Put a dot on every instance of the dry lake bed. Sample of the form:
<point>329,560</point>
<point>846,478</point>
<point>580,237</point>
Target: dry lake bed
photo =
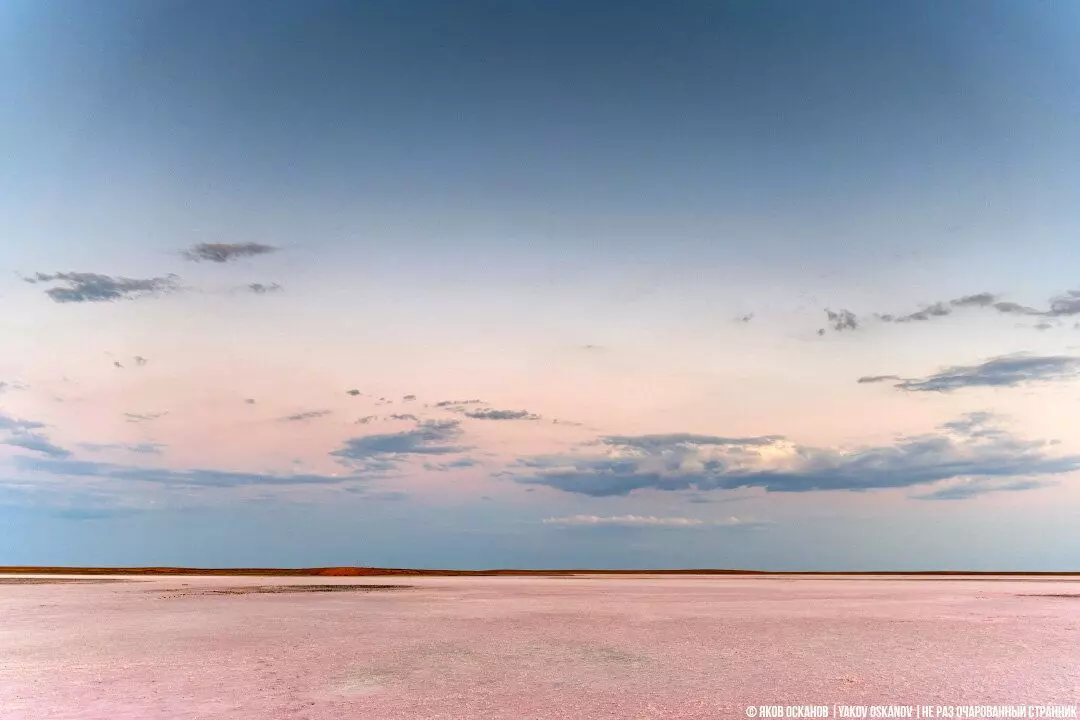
<point>535,647</point>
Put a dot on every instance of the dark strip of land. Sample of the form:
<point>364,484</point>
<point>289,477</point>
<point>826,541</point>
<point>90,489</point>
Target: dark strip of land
<point>372,571</point>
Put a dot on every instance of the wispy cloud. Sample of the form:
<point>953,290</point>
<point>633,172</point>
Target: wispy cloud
<point>500,415</point>
<point>225,252</point>
<point>456,403</point>
<point>431,437</point>
<point>625,520</point>
<point>878,378</point>
<point>35,442</point>
<point>144,417</point>
<point>982,486</point>
<point>1063,305</point>
<point>1005,371</point>
<point>404,416</point>
<point>138,448</point>
<point>164,476</point>
<point>624,464</point>
<point>452,465</point>
<point>306,415</point>
<point>93,287</point>
<point>262,288</point>
<point>647,521</point>
<point>842,320</point>
<point>367,419</point>
<point>19,433</point>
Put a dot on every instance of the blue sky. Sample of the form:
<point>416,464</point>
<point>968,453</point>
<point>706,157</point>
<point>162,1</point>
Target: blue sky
<point>744,284</point>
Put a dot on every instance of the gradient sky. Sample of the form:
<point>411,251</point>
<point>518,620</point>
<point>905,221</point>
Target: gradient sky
<point>755,284</point>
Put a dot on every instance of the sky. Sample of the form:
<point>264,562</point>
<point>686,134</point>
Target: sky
<point>746,284</point>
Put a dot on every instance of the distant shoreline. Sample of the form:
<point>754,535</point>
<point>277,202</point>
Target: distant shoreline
<point>389,572</point>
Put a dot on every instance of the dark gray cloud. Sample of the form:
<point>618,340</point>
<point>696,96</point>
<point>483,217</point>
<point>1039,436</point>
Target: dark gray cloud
<point>455,403</point>
<point>366,419</point>
<point>354,392</point>
<point>1005,371</point>
<point>842,320</point>
<point>452,465</point>
<point>164,476</point>
<point>969,448</point>
<point>306,415</point>
<point>404,416</point>
<point>144,417</point>
<point>263,289</point>
<point>431,437</point>
<point>408,398</point>
<point>225,252</point>
<point>500,415</point>
<point>93,287</point>
<point>877,378</point>
<point>249,401</point>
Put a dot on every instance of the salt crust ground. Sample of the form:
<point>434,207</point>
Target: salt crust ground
<point>569,648</point>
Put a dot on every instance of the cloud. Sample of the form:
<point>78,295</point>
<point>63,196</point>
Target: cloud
<point>1067,304</point>
<point>970,448</point>
<point>92,287</point>
<point>981,486</point>
<point>140,361</point>
<point>404,416</point>
<point>455,403</point>
<point>249,401</point>
<point>37,443</point>
<point>428,438</point>
<point>164,476</point>
<point>501,415</point>
<point>366,419</point>
<point>877,378</point>
<point>452,465</point>
<point>306,415</point>
<point>21,434</point>
<point>144,417</point>
<point>139,448</point>
<point>647,521</point>
<point>1004,371</point>
<point>745,318</point>
<point>354,392</point>
<point>8,386</point>
<point>408,398</point>
<point>225,252</point>
<point>842,320</point>
<point>263,289</point>
<point>17,425</point>
<point>624,520</point>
